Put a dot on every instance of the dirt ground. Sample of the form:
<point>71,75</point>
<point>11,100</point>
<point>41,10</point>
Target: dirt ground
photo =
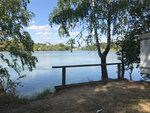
<point>114,96</point>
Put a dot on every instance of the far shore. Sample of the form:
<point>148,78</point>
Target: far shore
<point>79,50</point>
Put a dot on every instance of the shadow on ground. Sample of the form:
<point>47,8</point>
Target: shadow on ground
<point>114,96</point>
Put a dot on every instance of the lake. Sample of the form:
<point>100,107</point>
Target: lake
<point>44,76</point>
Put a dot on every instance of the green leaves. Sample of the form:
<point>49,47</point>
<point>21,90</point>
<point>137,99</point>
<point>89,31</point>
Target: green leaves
<point>71,43</point>
<point>67,13</point>
<point>14,16</point>
<point>116,17</point>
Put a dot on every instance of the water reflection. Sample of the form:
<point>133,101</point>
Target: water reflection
<point>44,76</point>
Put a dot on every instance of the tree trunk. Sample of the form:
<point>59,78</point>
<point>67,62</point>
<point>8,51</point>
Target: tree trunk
<point>122,51</point>
<point>95,30</point>
<point>130,76</point>
<point>104,68</point>
<point>122,66</point>
<point>71,47</point>
<point>104,71</point>
<point>104,54</point>
<point>1,88</point>
<point>131,70</point>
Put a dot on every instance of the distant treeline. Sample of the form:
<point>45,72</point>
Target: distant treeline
<point>7,45</point>
<point>103,45</point>
<point>63,47</point>
<point>4,46</point>
<point>56,47</point>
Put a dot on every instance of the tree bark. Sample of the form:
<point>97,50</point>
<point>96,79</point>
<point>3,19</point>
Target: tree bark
<point>104,54</point>
<point>104,68</point>
<point>71,47</point>
<point>108,28</point>
<point>95,30</point>
<point>131,74</point>
<point>122,51</point>
<point>1,88</point>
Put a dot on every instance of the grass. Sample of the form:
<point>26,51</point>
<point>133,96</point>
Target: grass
<point>8,101</point>
<point>43,93</point>
<point>11,100</point>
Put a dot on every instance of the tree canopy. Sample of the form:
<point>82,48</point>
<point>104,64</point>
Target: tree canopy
<point>137,22</point>
<point>71,43</point>
<point>14,16</point>
<point>103,17</point>
<point>96,17</point>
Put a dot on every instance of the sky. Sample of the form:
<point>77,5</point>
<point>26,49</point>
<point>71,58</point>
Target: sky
<point>39,28</point>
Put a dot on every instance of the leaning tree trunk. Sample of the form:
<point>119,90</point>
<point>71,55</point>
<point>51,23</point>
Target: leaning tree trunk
<point>104,68</point>
<point>122,51</point>
<point>1,88</point>
<point>104,54</point>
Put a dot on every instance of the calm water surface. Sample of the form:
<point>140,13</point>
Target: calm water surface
<point>44,76</point>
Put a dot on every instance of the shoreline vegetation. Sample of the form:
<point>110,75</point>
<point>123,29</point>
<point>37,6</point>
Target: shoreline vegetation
<point>120,96</point>
<point>4,46</point>
<point>61,47</point>
<point>13,101</point>
<point>65,47</point>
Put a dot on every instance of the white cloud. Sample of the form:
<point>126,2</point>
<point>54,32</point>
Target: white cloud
<point>56,27</point>
<point>74,33</point>
<point>44,33</point>
<point>32,22</point>
<point>39,28</point>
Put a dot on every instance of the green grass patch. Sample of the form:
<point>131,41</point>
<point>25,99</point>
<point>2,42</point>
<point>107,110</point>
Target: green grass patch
<point>43,93</point>
<point>10,101</point>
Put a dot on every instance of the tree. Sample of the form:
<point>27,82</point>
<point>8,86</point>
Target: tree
<point>131,47</point>
<point>137,22</point>
<point>71,42</point>
<point>94,16</point>
<point>14,16</point>
<point>122,6</point>
<point>122,37</point>
<point>131,51</point>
